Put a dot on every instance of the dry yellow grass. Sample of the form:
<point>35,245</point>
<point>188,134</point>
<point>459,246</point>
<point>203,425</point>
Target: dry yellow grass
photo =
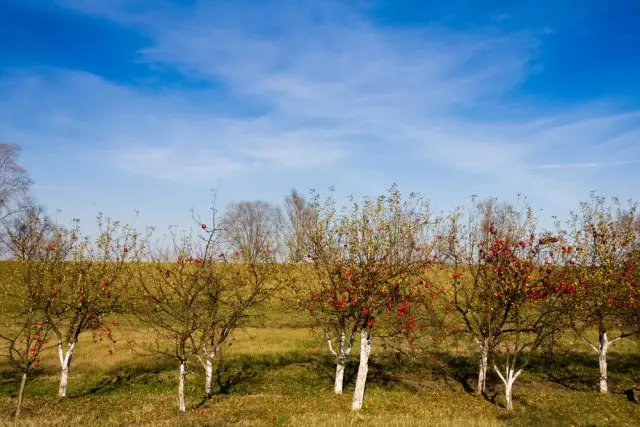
<point>283,377</point>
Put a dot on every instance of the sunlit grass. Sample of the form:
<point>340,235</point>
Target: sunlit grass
<point>277,372</point>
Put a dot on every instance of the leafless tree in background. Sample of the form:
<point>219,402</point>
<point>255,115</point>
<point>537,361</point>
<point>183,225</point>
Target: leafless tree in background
<point>14,181</point>
<point>301,220</point>
<point>253,229</point>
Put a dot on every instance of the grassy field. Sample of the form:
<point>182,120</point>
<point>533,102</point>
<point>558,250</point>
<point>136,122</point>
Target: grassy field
<point>280,374</point>
<point>277,372</point>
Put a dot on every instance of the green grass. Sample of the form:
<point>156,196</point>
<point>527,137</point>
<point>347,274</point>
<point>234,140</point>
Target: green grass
<point>277,372</point>
<point>270,377</point>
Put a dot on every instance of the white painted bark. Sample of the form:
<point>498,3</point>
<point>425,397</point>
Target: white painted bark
<point>484,367</point>
<point>341,359</point>
<point>339,376</point>
<point>603,346</point>
<point>65,366</point>
<point>207,364</point>
<point>363,368</point>
<point>208,380</point>
<point>182,374</point>
<point>21,394</point>
<point>508,379</point>
<point>508,396</point>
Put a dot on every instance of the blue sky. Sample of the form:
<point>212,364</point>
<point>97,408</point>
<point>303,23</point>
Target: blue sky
<point>147,105</point>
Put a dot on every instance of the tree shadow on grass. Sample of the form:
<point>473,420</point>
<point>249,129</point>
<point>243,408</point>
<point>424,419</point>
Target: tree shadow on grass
<point>380,372</point>
<point>122,376</point>
<point>578,371</point>
<point>239,370</point>
<point>325,365</point>
<point>384,378</point>
<point>230,372</point>
<point>10,379</point>
<point>458,368</point>
<point>227,378</point>
<point>454,370</point>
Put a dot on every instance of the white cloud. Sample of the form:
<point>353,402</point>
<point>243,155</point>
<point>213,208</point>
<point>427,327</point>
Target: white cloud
<point>588,165</point>
<point>568,165</point>
<point>322,88</point>
<point>294,153</point>
<point>170,164</point>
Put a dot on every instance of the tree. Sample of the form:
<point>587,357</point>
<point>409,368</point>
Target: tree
<point>14,182</point>
<point>601,260</point>
<point>172,294</point>
<point>89,287</point>
<point>233,284</point>
<point>301,221</point>
<point>364,259</point>
<point>534,304</point>
<point>494,260</point>
<point>252,227</point>
<point>27,298</point>
<point>194,296</point>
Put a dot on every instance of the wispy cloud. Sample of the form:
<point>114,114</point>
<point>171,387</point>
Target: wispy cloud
<point>318,89</point>
<point>585,165</point>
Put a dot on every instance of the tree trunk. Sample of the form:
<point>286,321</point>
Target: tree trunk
<point>341,358</point>
<point>339,375</point>
<point>65,366</point>
<point>208,380</point>
<point>363,368</point>
<point>508,379</point>
<point>181,403</point>
<point>603,346</point>
<point>508,396</point>
<point>21,393</point>
<point>484,366</point>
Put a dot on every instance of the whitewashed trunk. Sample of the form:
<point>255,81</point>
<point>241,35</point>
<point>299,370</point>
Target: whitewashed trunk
<point>484,366</point>
<point>339,376</point>
<point>208,373</point>
<point>207,363</point>
<point>182,374</point>
<point>508,379</point>
<point>21,394</point>
<point>363,368</point>
<point>341,358</point>
<point>65,366</point>
<point>603,346</point>
<point>508,395</point>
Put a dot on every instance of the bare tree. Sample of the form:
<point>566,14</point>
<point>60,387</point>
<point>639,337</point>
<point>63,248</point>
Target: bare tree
<point>194,296</point>
<point>252,228</point>
<point>301,219</point>
<point>14,181</point>
<point>169,301</point>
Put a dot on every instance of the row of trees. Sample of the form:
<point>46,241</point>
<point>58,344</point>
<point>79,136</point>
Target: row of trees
<point>389,267</point>
<point>378,267</point>
<point>189,294</point>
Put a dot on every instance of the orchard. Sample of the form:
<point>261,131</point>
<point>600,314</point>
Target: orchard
<point>380,311</point>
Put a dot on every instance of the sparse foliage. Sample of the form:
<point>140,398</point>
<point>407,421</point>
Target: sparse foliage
<point>194,296</point>
<point>365,261</point>
<point>602,264</point>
